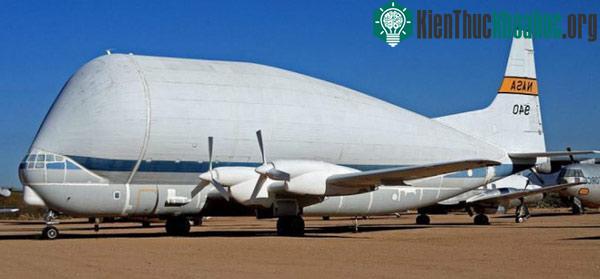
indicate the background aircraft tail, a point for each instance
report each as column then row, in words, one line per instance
column 513, row 121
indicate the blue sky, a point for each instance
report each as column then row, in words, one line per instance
column 43, row 42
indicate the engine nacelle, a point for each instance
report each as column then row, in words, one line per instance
column 306, row 178
column 543, row 166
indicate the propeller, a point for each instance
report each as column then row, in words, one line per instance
column 266, row 170
column 208, row 179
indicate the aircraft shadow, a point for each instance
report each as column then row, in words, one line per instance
column 584, row 238
column 347, row 231
column 546, row 214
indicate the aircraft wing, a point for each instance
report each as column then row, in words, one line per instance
column 397, row 176
column 8, row 210
column 535, row 155
column 520, row 194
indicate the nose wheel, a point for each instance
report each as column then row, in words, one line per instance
column 50, row 232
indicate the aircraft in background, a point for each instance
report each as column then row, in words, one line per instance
column 127, row 137
column 5, row 193
column 515, row 191
column 587, row 194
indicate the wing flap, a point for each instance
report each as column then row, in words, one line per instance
column 397, row 176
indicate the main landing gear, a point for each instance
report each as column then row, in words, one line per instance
column 50, row 231
column 177, row 226
column 481, row 219
column 423, row 219
column 290, row 226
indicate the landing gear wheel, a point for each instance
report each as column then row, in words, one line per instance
column 519, row 219
column 576, row 206
column 481, row 219
column 197, row 221
column 146, row 224
column 290, row 226
column 325, row 218
column 50, row 233
column 423, row 219
column 177, row 226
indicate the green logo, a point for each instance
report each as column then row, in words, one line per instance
column 392, row 23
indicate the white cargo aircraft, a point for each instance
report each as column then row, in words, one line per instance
column 127, row 136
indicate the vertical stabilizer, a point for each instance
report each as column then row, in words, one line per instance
column 513, row 121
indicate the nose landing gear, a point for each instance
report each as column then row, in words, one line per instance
column 50, row 232
column 522, row 213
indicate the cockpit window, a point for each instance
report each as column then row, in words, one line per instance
column 48, row 161
column 572, row 173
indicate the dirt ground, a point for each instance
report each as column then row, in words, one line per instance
column 551, row 244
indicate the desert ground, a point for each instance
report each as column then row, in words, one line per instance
column 552, row 244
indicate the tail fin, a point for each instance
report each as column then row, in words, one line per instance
column 513, row 121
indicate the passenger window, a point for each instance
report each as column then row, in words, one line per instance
column 41, row 158
column 49, row 158
column 59, row 158
column 39, row 165
column 31, row 158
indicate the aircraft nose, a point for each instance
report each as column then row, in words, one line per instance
column 31, row 171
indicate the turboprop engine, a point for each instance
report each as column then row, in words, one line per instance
column 260, row 186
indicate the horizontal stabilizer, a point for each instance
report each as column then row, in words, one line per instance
column 521, row 194
column 535, row 155
column 397, row 176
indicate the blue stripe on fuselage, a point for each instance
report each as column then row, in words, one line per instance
column 101, row 164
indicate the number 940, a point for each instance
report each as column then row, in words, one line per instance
column 521, row 109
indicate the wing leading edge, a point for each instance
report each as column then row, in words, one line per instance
column 397, row 176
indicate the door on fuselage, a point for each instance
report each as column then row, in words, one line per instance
column 143, row 199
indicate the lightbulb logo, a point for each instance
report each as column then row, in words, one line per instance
column 392, row 23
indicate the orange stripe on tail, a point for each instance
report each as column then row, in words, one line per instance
column 519, row 85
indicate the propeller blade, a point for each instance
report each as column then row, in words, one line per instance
column 221, row 189
column 260, row 144
column 206, row 179
column 261, row 180
column 210, row 149
column 199, row 187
